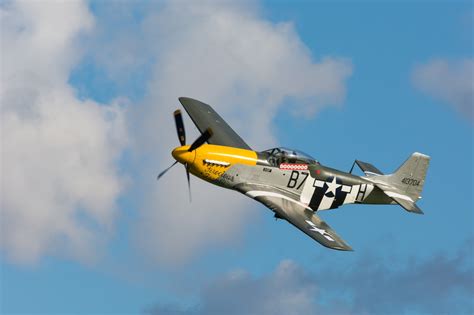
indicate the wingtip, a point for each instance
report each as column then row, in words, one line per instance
column 342, row 249
column 346, row 249
column 185, row 99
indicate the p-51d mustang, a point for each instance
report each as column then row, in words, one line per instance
column 292, row 184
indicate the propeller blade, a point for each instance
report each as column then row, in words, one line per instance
column 166, row 170
column 178, row 119
column 200, row 141
column 189, row 181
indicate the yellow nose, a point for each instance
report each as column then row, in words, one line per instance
column 183, row 156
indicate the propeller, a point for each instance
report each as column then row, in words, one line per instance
column 178, row 119
column 200, row 141
column 166, row 170
column 189, row 180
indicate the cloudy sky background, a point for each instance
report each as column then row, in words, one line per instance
column 87, row 94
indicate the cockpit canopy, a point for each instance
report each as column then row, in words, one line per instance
column 276, row 156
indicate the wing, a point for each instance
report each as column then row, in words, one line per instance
column 301, row 216
column 204, row 117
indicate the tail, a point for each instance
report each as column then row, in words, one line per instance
column 409, row 178
column 406, row 184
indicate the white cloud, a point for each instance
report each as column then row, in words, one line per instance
column 364, row 284
column 246, row 67
column 59, row 181
column 287, row 290
column 451, row 82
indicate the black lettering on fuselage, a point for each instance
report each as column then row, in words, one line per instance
column 293, row 181
column 304, row 179
column 361, row 193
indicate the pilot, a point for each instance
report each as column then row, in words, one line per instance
column 283, row 157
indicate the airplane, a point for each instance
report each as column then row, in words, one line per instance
column 292, row 184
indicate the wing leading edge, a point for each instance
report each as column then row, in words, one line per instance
column 298, row 214
column 204, row 117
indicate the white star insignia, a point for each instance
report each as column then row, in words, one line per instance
column 332, row 186
column 320, row 231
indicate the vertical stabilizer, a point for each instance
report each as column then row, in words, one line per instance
column 409, row 178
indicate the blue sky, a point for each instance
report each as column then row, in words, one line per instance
column 94, row 84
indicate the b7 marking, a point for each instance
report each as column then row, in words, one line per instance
column 294, row 179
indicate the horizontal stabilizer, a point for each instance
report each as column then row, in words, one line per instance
column 368, row 168
column 404, row 201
